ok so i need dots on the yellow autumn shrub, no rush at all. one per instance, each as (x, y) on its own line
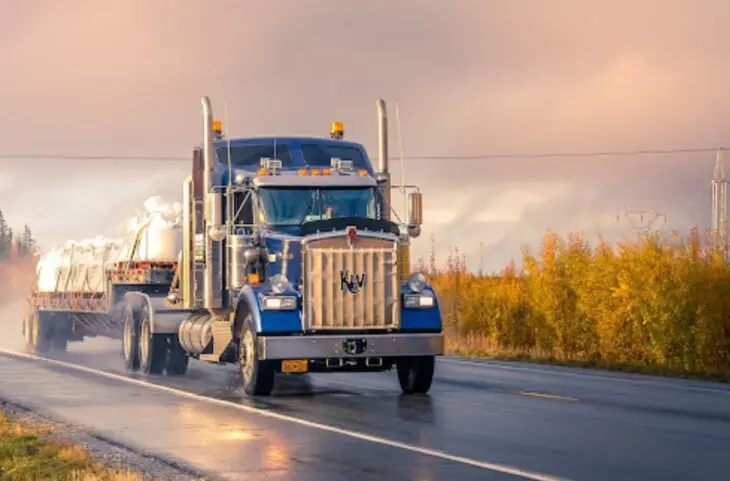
(646, 304)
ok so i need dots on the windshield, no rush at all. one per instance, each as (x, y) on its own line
(295, 206)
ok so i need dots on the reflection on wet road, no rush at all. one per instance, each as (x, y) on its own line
(480, 420)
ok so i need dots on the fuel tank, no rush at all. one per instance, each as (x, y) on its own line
(195, 332)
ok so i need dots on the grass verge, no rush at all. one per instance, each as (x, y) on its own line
(476, 347)
(27, 453)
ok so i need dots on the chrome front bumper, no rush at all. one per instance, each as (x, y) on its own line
(376, 345)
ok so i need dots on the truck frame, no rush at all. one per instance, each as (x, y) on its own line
(330, 293)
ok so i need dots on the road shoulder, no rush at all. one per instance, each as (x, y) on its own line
(107, 452)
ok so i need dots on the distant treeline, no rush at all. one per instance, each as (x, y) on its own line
(14, 245)
(649, 305)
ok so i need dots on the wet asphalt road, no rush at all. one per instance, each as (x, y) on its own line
(568, 423)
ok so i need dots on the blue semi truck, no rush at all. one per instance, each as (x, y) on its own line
(291, 263)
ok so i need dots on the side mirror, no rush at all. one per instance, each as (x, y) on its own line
(415, 213)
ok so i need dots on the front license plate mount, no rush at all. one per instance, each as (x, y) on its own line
(295, 365)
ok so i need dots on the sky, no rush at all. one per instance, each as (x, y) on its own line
(517, 77)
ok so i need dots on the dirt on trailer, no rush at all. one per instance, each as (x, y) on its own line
(16, 280)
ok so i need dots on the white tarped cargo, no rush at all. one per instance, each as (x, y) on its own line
(80, 266)
(159, 232)
(77, 266)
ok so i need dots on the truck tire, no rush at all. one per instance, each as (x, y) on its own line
(28, 333)
(415, 374)
(152, 347)
(59, 342)
(258, 376)
(130, 339)
(38, 339)
(60, 325)
(177, 358)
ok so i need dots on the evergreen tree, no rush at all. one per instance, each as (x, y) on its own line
(4, 237)
(27, 243)
(9, 244)
(14, 245)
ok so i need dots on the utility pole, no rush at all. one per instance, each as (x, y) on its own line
(719, 205)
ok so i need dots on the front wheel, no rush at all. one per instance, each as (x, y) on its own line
(415, 374)
(258, 376)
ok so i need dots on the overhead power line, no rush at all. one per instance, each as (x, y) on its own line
(485, 156)
(91, 157)
(608, 153)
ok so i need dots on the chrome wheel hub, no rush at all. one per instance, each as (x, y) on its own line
(28, 327)
(35, 328)
(247, 355)
(127, 342)
(144, 339)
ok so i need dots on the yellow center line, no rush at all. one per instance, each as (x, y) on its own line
(547, 396)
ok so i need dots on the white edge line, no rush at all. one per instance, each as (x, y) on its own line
(501, 468)
(608, 376)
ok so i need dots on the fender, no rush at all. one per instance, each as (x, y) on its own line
(419, 319)
(163, 320)
(247, 296)
(268, 322)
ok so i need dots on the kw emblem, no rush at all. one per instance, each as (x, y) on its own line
(351, 282)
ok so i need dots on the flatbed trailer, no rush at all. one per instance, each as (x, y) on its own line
(52, 319)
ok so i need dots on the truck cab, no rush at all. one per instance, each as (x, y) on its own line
(292, 262)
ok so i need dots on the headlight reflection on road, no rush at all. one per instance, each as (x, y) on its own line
(219, 428)
(276, 455)
(233, 429)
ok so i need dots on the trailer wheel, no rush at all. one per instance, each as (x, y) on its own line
(152, 347)
(258, 376)
(59, 342)
(28, 333)
(58, 332)
(37, 338)
(177, 360)
(130, 339)
(415, 374)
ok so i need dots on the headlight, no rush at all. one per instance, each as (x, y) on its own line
(279, 284)
(417, 282)
(277, 303)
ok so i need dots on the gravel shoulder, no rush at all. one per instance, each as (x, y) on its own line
(103, 450)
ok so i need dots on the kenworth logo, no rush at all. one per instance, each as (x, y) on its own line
(351, 282)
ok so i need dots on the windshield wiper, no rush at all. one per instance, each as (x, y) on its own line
(310, 205)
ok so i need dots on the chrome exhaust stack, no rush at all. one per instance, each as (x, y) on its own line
(383, 167)
(208, 151)
(214, 230)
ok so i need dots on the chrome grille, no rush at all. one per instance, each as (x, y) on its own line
(370, 268)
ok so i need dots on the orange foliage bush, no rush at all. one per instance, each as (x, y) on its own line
(649, 304)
